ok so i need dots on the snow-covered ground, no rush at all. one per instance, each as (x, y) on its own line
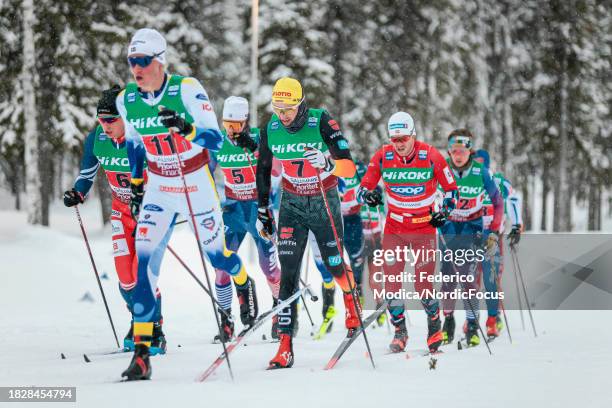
(46, 272)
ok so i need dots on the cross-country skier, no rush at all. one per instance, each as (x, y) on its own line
(105, 146)
(308, 142)
(411, 171)
(170, 121)
(492, 273)
(238, 162)
(464, 231)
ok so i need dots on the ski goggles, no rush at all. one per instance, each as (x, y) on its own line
(400, 139)
(108, 119)
(235, 126)
(143, 61)
(459, 143)
(285, 110)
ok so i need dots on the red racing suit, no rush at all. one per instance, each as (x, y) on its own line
(410, 184)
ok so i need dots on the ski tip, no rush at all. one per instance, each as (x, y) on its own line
(331, 364)
(62, 356)
(87, 360)
(263, 337)
(459, 346)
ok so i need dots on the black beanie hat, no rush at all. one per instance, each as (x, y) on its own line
(106, 104)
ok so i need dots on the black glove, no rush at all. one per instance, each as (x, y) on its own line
(136, 199)
(438, 219)
(265, 223)
(245, 141)
(174, 122)
(515, 235)
(72, 198)
(371, 198)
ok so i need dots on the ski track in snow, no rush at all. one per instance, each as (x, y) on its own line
(47, 271)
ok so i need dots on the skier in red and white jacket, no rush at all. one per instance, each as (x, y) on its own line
(411, 171)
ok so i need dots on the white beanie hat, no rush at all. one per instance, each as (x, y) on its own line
(400, 124)
(150, 42)
(235, 109)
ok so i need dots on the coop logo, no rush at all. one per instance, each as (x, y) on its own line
(422, 154)
(389, 156)
(202, 97)
(312, 122)
(468, 190)
(131, 97)
(476, 171)
(407, 175)
(295, 147)
(114, 161)
(408, 191)
(274, 126)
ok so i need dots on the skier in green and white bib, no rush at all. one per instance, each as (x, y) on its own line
(169, 121)
(464, 232)
(313, 153)
(237, 159)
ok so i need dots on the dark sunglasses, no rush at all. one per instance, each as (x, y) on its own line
(108, 119)
(143, 61)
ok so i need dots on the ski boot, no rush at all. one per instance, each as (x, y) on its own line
(227, 327)
(471, 337)
(284, 356)
(448, 329)
(400, 338)
(140, 366)
(380, 320)
(158, 340)
(128, 340)
(329, 311)
(434, 334)
(492, 330)
(274, 330)
(352, 312)
(248, 302)
(500, 324)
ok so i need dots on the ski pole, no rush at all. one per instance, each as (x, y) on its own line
(78, 214)
(501, 302)
(341, 252)
(197, 280)
(468, 302)
(518, 292)
(518, 265)
(197, 235)
(302, 295)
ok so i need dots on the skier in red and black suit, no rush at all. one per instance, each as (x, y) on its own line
(411, 171)
(313, 153)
